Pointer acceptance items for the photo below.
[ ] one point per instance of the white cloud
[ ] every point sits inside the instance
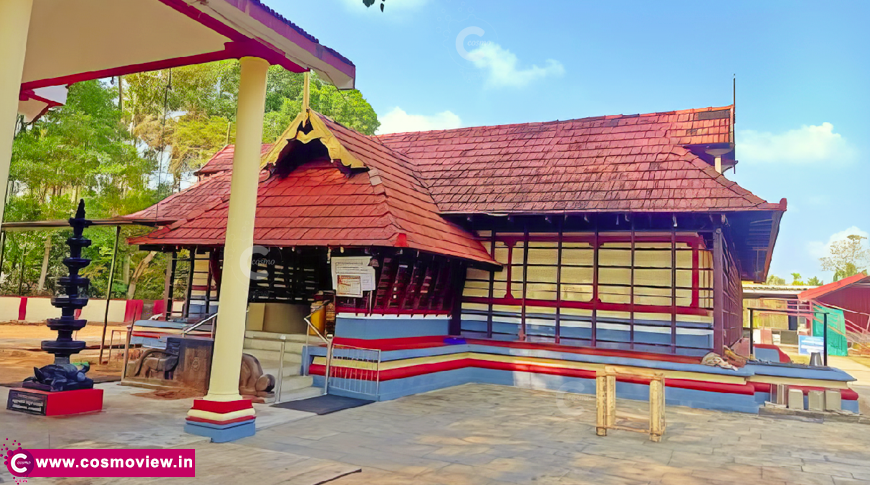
(807, 144)
(397, 121)
(502, 66)
(819, 249)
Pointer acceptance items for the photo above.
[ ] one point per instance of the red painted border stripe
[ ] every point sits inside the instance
(846, 394)
(222, 407)
(423, 369)
(406, 343)
(212, 421)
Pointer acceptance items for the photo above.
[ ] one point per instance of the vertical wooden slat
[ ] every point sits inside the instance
(718, 291)
(208, 283)
(491, 286)
(434, 293)
(673, 291)
(297, 277)
(286, 263)
(595, 250)
(696, 275)
(189, 290)
(411, 288)
(169, 284)
(270, 272)
(393, 280)
(444, 285)
(510, 269)
(558, 322)
(457, 283)
(522, 335)
(631, 290)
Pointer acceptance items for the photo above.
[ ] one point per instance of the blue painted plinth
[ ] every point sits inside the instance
(221, 433)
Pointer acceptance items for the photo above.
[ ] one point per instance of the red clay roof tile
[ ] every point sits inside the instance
(596, 153)
(334, 209)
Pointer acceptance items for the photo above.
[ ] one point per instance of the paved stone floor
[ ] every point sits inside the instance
(487, 434)
(131, 421)
(471, 434)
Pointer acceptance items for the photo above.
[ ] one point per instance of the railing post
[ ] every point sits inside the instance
(280, 369)
(825, 338)
(127, 351)
(751, 336)
(328, 364)
(601, 403)
(656, 408)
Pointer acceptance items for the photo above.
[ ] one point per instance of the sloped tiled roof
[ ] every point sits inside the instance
(613, 163)
(222, 161)
(318, 205)
(177, 206)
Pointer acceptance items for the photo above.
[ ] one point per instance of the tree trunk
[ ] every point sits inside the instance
(125, 270)
(44, 271)
(140, 269)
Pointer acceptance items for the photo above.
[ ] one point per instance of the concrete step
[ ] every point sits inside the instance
(290, 369)
(274, 356)
(294, 383)
(290, 346)
(295, 337)
(299, 394)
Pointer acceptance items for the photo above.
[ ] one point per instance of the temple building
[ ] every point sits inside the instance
(530, 254)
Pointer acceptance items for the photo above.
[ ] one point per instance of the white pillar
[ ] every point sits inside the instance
(235, 279)
(14, 25)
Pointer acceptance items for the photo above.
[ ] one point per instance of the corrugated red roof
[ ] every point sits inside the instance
(823, 290)
(317, 205)
(635, 163)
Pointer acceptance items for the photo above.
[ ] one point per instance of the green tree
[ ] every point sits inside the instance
(815, 281)
(847, 257)
(190, 114)
(80, 150)
(775, 280)
(796, 279)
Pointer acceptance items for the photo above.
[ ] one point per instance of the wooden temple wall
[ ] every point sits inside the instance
(642, 291)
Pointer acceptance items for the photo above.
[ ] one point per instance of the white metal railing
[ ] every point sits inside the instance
(326, 340)
(280, 377)
(200, 323)
(356, 371)
(359, 370)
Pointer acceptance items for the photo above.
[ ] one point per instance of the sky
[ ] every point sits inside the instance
(802, 69)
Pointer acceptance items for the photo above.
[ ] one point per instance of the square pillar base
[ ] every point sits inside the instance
(221, 433)
(59, 403)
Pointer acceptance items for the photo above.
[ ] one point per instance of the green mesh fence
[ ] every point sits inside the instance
(837, 343)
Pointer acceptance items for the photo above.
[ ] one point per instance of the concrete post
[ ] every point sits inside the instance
(14, 25)
(218, 414)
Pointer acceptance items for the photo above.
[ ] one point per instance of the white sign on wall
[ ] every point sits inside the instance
(357, 266)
